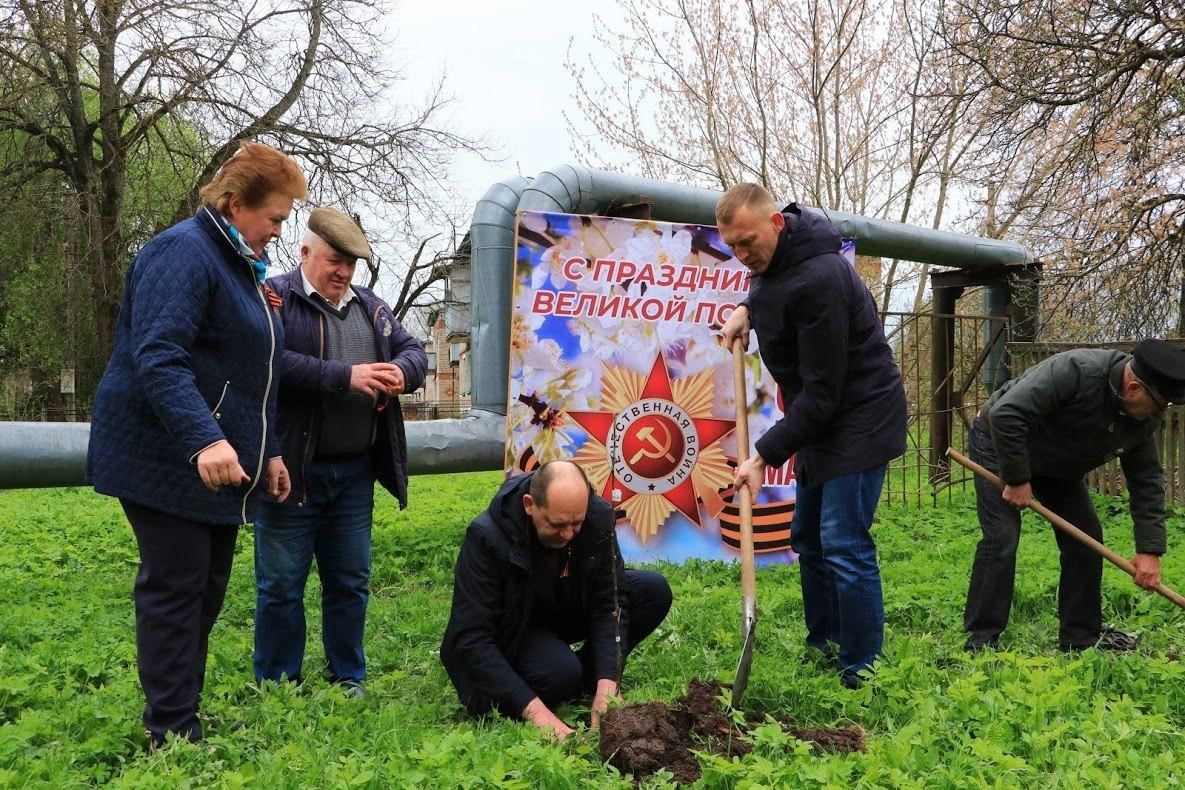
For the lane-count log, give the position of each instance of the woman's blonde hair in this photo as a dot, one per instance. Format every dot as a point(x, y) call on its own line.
point(254, 172)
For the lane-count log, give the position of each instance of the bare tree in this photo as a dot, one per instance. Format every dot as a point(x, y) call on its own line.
point(1085, 160)
point(838, 103)
point(90, 87)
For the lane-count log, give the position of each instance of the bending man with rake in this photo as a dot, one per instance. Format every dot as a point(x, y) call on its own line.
point(539, 571)
point(1041, 433)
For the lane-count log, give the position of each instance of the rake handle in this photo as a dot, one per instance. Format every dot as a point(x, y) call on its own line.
point(1067, 527)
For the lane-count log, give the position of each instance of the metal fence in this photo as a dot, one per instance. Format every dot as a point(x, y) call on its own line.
point(40, 413)
point(35, 413)
point(434, 410)
point(940, 408)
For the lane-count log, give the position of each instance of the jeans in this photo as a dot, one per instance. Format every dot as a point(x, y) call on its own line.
point(556, 673)
point(184, 570)
point(841, 581)
point(993, 572)
point(333, 526)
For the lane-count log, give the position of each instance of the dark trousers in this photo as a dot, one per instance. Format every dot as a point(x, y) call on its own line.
point(184, 570)
point(557, 673)
point(989, 597)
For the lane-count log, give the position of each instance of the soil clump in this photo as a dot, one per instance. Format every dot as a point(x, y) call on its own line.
point(646, 738)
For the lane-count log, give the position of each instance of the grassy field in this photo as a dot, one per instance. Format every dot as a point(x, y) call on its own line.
point(1025, 716)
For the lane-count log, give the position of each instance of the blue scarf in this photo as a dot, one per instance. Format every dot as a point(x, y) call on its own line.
point(258, 262)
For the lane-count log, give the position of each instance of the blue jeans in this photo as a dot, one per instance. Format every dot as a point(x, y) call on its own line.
point(333, 525)
point(841, 581)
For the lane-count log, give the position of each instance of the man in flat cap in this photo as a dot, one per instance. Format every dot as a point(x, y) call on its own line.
point(1041, 433)
point(346, 360)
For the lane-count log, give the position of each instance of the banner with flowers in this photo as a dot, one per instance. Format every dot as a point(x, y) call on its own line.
point(616, 363)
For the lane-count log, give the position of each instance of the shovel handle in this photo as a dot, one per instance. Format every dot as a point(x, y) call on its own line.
point(1067, 527)
point(748, 571)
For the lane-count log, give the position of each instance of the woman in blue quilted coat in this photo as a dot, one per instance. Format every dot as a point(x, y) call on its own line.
point(183, 427)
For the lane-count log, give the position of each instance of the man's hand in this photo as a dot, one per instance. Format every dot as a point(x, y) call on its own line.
point(736, 326)
point(541, 716)
point(279, 484)
point(218, 465)
point(752, 474)
point(1147, 570)
point(400, 381)
point(376, 378)
point(606, 692)
point(1020, 496)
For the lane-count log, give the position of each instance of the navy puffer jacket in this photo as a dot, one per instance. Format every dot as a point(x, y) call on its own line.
point(196, 359)
point(822, 340)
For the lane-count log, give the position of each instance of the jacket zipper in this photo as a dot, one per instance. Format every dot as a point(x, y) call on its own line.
point(308, 437)
point(221, 398)
point(267, 391)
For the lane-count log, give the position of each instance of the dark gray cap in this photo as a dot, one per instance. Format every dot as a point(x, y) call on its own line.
point(1161, 365)
point(340, 232)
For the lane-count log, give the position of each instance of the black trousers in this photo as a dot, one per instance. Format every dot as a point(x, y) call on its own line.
point(184, 570)
point(557, 673)
point(989, 597)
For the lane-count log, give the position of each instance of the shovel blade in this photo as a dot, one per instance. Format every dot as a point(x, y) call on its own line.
point(746, 662)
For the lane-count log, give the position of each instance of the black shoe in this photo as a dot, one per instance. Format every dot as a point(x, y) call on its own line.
point(820, 659)
point(974, 645)
point(1114, 639)
point(1109, 639)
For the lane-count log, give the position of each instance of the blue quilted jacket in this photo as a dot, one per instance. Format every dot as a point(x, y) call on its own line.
point(196, 359)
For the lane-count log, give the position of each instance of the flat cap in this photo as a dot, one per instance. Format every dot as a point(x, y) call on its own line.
point(340, 232)
point(1161, 365)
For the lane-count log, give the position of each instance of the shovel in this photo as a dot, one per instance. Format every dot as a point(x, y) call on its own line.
point(1067, 527)
point(748, 570)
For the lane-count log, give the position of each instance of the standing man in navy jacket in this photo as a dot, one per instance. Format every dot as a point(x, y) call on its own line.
point(821, 338)
point(346, 359)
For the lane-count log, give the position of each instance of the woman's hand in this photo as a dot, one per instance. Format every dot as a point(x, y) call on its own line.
point(218, 465)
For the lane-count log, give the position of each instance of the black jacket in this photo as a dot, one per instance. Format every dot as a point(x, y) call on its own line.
point(821, 338)
point(1063, 417)
point(492, 598)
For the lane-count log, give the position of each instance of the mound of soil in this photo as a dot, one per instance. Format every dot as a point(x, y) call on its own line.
point(644, 739)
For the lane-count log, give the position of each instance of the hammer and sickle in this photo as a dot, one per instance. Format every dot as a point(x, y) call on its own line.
point(660, 450)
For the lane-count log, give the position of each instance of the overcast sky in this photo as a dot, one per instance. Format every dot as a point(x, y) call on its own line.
point(504, 64)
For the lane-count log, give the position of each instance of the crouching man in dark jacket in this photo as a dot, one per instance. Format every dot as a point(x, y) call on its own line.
point(1042, 433)
point(539, 571)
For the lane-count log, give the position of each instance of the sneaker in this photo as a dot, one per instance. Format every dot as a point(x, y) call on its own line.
point(354, 689)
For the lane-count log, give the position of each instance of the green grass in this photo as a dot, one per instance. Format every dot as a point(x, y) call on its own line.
point(70, 701)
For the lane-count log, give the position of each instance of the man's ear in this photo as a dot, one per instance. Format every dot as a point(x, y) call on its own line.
point(778, 220)
point(528, 504)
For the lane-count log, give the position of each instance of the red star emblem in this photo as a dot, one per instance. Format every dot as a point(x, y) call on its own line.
point(653, 444)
